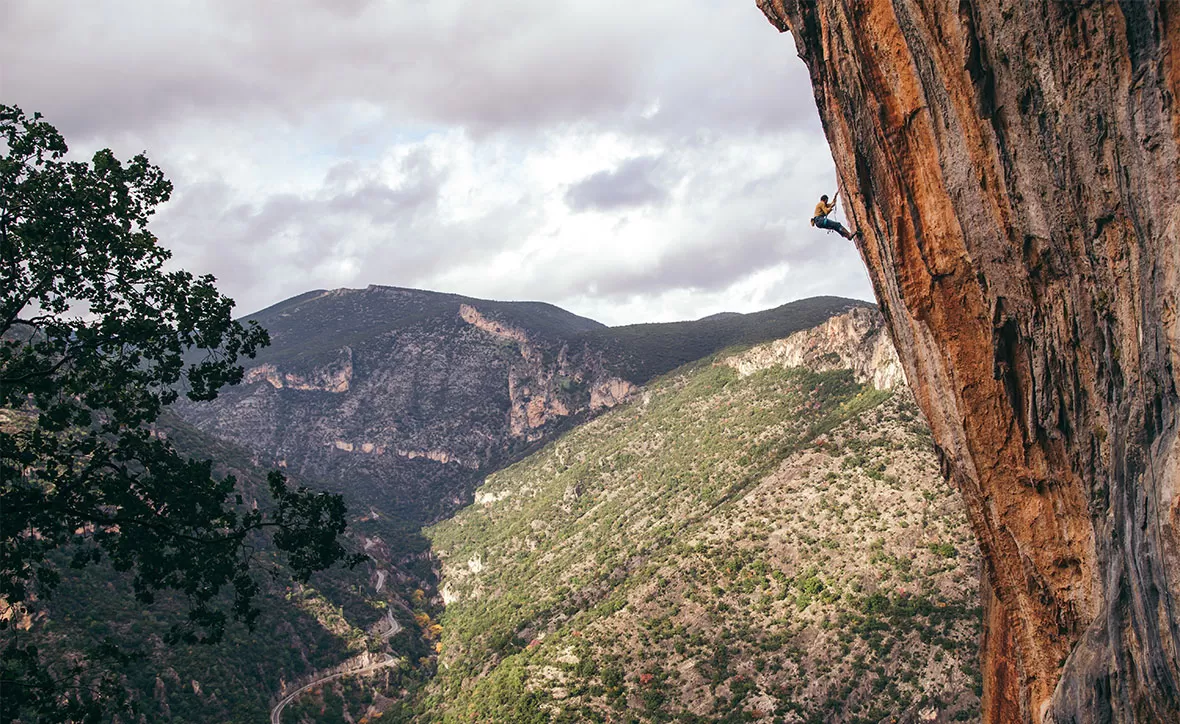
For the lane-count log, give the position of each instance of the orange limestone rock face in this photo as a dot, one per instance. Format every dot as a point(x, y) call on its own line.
point(1015, 171)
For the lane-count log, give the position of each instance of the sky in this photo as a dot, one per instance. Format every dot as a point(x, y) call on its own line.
point(628, 161)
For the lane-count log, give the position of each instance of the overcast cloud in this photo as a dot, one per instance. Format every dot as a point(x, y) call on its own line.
point(627, 161)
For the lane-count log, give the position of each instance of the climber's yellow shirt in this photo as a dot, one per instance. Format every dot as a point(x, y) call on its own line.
point(822, 209)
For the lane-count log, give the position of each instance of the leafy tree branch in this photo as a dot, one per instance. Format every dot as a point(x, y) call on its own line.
point(96, 339)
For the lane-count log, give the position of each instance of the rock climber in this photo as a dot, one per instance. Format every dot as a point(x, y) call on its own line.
point(821, 220)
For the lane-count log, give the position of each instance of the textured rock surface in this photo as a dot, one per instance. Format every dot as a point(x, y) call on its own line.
point(856, 340)
point(333, 377)
point(1014, 169)
point(400, 397)
point(405, 399)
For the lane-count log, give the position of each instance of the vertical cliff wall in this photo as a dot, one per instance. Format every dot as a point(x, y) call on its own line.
point(1014, 168)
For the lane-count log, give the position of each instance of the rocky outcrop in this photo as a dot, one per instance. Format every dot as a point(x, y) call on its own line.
point(856, 340)
point(402, 399)
point(333, 377)
point(1014, 170)
point(537, 390)
point(518, 336)
point(438, 456)
point(610, 392)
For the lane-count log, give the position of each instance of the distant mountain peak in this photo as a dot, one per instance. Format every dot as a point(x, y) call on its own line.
point(355, 376)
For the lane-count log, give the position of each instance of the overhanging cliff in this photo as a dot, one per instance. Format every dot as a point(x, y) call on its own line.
point(1014, 168)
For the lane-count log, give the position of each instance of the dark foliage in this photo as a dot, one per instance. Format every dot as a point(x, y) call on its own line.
point(96, 338)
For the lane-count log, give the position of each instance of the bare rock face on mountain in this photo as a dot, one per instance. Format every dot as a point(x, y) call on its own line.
point(404, 399)
point(856, 340)
point(400, 397)
point(1015, 171)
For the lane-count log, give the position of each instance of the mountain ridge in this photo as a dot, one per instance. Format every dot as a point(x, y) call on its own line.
point(709, 438)
point(393, 392)
point(723, 329)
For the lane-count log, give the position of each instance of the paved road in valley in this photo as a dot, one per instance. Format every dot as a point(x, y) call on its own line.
point(276, 714)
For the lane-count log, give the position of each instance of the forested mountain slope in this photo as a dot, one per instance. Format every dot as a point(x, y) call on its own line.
point(302, 628)
point(743, 540)
point(402, 399)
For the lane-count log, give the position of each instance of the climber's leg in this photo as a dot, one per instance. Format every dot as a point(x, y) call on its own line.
point(824, 222)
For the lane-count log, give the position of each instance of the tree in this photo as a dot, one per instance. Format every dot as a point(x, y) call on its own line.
point(96, 339)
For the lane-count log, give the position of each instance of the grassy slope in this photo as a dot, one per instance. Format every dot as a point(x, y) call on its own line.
point(298, 632)
point(698, 555)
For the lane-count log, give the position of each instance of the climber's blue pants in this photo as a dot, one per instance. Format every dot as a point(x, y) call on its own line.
point(824, 222)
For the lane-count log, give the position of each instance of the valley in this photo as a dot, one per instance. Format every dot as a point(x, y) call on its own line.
point(379, 504)
point(562, 525)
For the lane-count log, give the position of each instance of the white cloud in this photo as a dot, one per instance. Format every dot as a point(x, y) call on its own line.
point(442, 144)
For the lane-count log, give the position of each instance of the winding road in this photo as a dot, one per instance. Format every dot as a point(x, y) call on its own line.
point(276, 714)
point(392, 627)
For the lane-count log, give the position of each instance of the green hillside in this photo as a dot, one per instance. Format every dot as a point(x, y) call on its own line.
point(301, 628)
point(779, 546)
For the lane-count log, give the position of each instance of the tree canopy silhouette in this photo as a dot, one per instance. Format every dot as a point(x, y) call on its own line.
point(97, 337)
